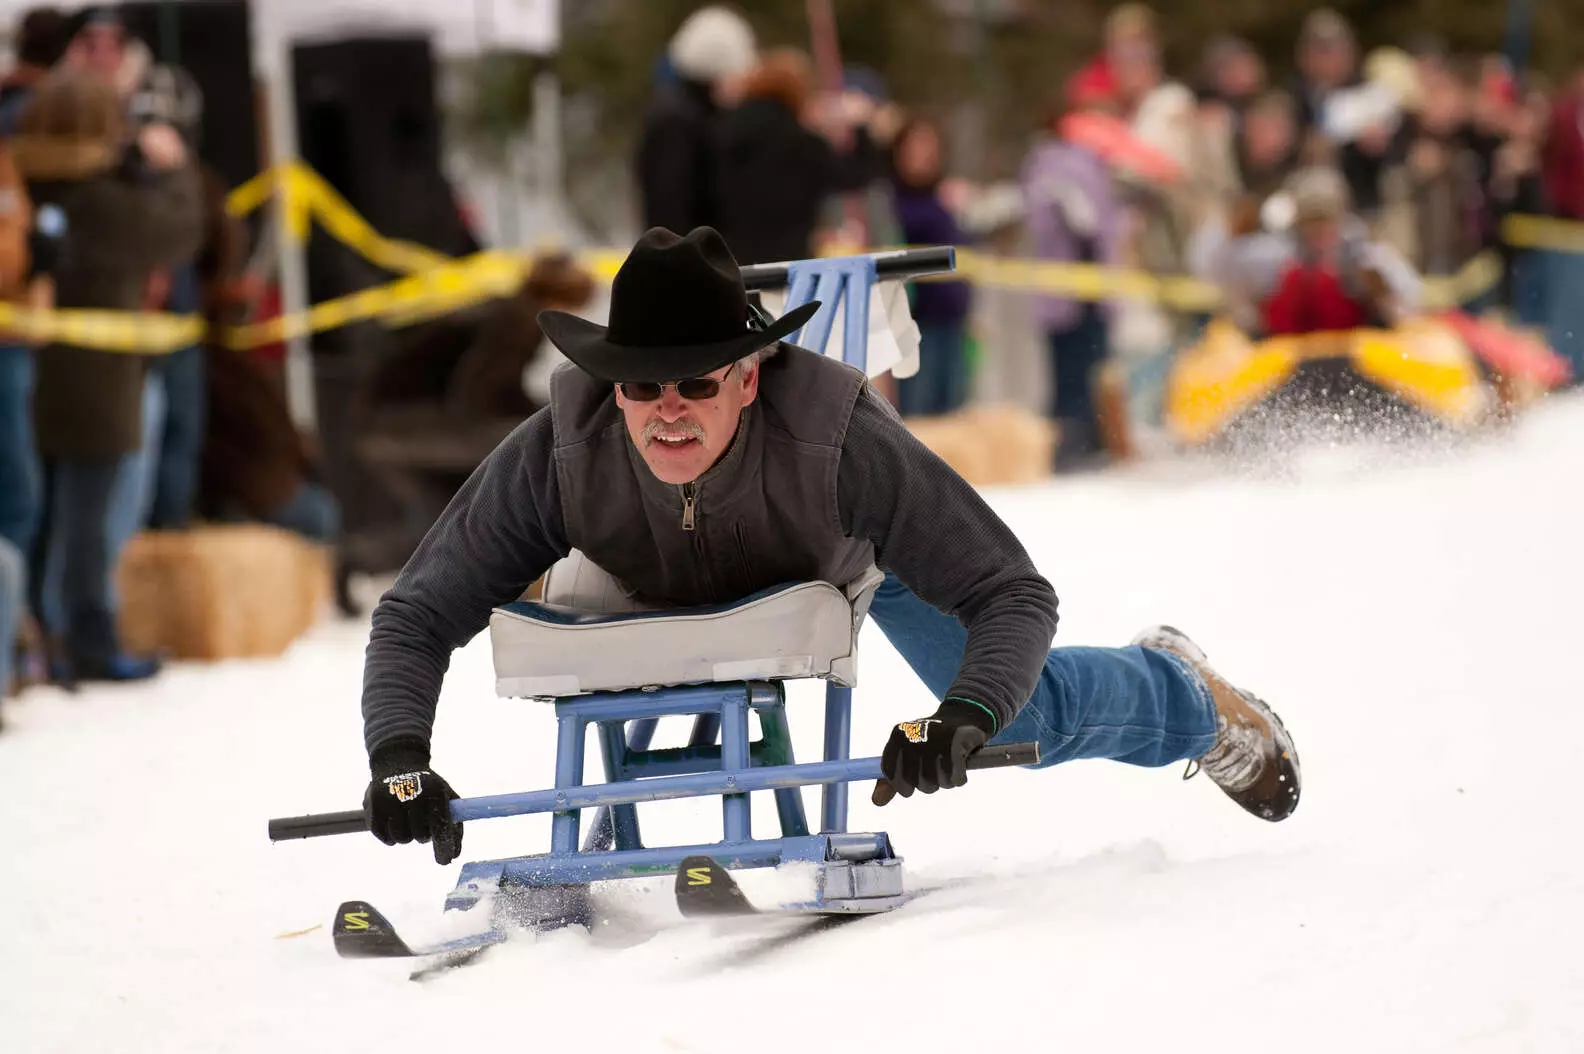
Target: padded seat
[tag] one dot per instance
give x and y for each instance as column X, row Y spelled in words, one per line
column 553, row 650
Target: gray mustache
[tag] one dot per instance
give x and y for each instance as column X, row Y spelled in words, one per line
column 689, row 429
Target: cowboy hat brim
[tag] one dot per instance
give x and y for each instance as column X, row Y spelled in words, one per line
column 588, row 345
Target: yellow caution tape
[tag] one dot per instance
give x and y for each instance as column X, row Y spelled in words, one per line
column 433, row 284
column 144, row 333
column 1477, row 277
column 305, row 197
column 438, row 291
column 1523, row 231
column 1086, row 281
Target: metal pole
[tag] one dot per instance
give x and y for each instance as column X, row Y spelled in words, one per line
column 827, row 61
column 169, row 35
column 571, row 794
column 549, row 156
column 984, row 70
column 282, row 97
column 1520, row 31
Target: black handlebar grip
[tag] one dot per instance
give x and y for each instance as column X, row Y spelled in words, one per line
column 1005, row 755
column 894, row 265
column 317, row 825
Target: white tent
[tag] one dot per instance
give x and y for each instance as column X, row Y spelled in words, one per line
column 460, row 27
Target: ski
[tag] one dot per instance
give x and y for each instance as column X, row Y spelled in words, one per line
column 705, row 889
column 361, row 932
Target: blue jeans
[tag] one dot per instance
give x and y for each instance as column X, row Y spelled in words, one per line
column 1564, row 277
column 75, row 596
column 131, row 496
column 1136, row 705
column 1075, row 355
column 12, row 576
column 21, row 485
column 138, row 475
column 311, row 511
column 941, row 384
column 177, row 446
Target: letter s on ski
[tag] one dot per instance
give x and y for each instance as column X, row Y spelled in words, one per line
column 698, row 876
column 356, row 920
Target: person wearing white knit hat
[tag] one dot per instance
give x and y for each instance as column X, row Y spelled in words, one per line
column 710, row 54
column 714, row 44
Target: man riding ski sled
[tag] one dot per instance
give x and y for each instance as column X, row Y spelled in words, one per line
column 696, row 459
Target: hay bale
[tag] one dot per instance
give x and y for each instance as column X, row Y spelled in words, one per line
column 221, row 591
column 991, row 445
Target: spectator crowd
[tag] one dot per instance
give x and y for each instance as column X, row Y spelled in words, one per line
column 1327, row 201
column 104, row 205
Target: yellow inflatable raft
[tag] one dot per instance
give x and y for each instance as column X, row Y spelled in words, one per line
column 1422, row 365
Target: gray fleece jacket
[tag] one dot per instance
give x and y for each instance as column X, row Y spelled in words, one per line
column 822, row 479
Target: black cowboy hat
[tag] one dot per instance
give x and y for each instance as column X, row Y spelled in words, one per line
column 678, row 310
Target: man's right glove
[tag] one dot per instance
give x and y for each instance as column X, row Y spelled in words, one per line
column 932, row 753
column 406, row 801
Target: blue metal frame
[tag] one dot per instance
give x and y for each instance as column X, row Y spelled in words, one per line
column 858, row 872
column 846, row 281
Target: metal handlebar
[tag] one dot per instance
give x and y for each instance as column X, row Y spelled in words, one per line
column 659, row 788
column 897, row 265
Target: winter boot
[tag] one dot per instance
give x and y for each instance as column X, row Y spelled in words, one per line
column 1253, row 759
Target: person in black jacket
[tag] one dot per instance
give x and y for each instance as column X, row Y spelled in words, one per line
column 776, row 171
column 676, row 156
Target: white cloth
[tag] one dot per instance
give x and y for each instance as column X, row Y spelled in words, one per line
column 893, row 335
column 1350, row 112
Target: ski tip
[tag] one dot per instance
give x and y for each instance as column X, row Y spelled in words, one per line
column 361, row 932
column 704, row 887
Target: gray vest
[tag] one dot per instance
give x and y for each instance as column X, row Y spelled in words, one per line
column 764, row 514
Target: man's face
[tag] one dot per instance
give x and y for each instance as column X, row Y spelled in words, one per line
column 1135, row 62
column 1444, row 106
column 1241, row 76
column 680, row 438
column 918, row 157
column 1269, row 135
column 98, row 48
column 1321, row 237
column 1326, row 62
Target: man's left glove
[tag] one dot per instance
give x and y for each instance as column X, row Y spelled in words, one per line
column 407, row 801
column 932, row 752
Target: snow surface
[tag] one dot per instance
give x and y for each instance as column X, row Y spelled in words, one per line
column 1414, row 622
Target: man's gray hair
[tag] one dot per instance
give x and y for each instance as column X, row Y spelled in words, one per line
column 753, row 358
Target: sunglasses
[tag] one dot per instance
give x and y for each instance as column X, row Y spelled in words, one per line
column 693, row 389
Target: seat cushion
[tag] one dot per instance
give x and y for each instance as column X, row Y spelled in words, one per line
column 800, row 629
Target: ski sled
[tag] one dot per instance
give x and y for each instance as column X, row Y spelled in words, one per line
column 602, row 660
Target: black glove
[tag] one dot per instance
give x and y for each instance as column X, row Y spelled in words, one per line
column 932, row 752
column 406, row 801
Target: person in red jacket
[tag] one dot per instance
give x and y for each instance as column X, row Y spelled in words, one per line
column 1335, row 278
column 1564, row 152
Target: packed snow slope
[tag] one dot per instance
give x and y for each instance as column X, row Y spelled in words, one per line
column 1413, row 620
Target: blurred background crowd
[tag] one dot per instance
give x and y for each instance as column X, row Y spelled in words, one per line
column 1301, row 168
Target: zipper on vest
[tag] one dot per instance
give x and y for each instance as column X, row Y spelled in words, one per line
column 689, row 499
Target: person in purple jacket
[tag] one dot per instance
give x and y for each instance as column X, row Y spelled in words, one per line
column 1074, row 216
column 940, row 308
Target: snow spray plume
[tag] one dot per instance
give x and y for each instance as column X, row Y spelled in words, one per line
column 1337, row 428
